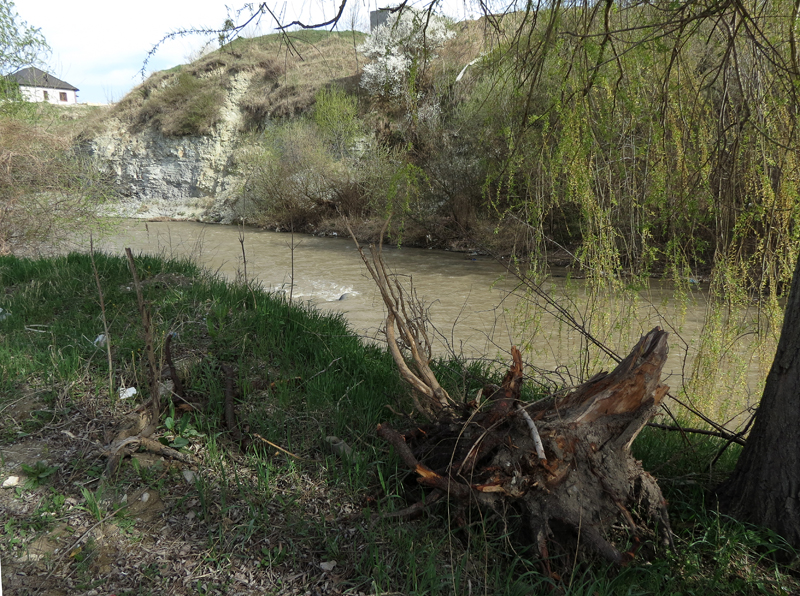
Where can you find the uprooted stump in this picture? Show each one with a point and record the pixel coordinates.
(583, 486)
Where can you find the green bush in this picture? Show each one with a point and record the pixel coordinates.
(185, 105)
(336, 116)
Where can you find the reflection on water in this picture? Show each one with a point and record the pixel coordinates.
(470, 302)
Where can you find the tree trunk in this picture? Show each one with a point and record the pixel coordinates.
(564, 462)
(765, 485)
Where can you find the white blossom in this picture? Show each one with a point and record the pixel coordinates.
(406, 38)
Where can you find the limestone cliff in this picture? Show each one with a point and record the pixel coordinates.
(185, 177)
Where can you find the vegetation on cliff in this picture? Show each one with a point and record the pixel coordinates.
(650, 162)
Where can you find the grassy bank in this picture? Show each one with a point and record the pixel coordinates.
(284, 514)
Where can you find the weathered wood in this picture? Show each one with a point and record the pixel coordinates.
(405, 324)
(581, 484)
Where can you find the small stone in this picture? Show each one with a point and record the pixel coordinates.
(11, 482)
(327, 565)
(339, 447)
(188, 475)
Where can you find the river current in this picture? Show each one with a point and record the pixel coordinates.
(472, 302)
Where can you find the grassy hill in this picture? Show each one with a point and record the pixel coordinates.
(286, 74)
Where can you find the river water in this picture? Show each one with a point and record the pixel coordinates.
(472, 303)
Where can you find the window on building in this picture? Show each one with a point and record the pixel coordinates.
(62, 96)
(46, 95)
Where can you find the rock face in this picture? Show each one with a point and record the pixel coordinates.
(191, 177)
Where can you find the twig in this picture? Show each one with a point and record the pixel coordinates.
(173, 374)
(699, 431)
(279, 448)
(76, 543)
(148, 337)
(537, 440)
(244, 255)
(105, 321)
(324, 370)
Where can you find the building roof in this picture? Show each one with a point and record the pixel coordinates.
(33, 77)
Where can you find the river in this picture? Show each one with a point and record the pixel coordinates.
(472, 303)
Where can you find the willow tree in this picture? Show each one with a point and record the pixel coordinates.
(723, 101)
(764, 488)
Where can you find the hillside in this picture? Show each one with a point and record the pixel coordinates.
(510, 135)
(270, 79)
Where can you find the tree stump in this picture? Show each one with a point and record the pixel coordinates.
(580, 485)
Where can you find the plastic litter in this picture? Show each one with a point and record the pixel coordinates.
(126, 392)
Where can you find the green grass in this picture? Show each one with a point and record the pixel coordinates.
(304, 375)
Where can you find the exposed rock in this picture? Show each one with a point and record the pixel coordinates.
(192, 177)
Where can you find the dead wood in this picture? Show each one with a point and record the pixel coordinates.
(118, 450)
(580, 487)
(405, 329)
(172, 371)
(148, 337)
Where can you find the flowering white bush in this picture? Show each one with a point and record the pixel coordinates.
(406, 39)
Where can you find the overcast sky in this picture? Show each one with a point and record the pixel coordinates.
(99, 45)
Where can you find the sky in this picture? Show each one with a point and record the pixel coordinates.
(99, 46)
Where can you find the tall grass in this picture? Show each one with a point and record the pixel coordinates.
(303, 376)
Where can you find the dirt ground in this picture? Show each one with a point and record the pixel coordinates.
(148, 530)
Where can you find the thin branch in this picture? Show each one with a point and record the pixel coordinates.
(699, 431)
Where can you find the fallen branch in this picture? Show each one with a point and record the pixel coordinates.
(118, 450)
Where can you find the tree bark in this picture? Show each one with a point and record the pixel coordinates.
(763, 488)
(563, 462)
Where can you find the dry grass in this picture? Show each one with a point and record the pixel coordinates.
(186, 100)
(47, 188)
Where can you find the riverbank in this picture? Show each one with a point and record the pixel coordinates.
(283, 510)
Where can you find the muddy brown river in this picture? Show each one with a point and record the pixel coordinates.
(472, 303)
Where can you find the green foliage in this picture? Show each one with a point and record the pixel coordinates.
(303, 375)
(291, 178)
(336, 116)
(182, 430)
(20, 44)
(37, 474)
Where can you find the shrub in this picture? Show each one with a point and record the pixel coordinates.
(290, 179)
(399, 49)
(49, 191)
(336, 116)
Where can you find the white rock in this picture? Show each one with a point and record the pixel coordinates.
(188, 475)
(327, 565)
(11, 482)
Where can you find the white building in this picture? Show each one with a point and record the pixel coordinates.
(37, 85)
